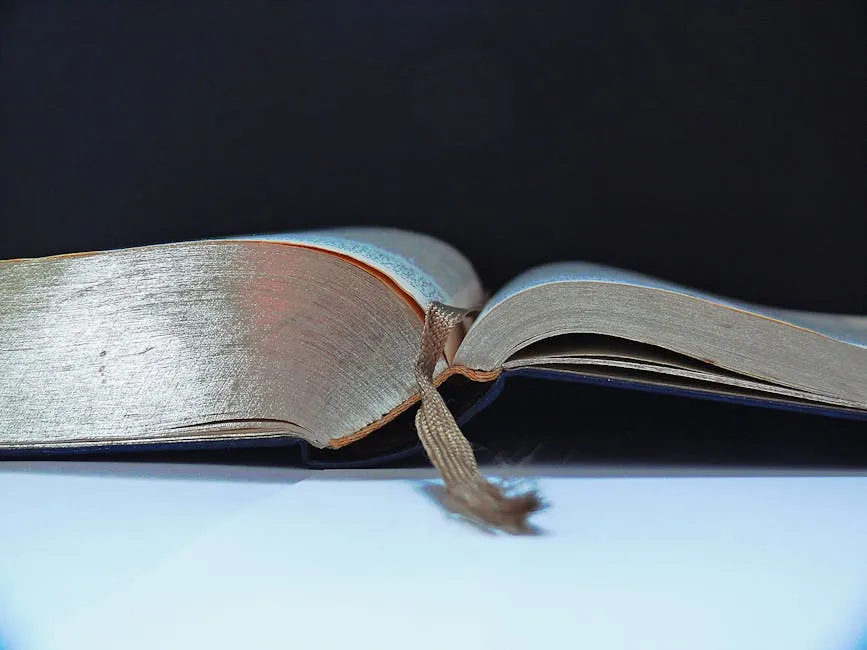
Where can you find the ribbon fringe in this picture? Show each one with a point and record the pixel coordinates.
(467, 491)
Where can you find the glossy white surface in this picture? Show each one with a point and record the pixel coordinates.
(150, 557)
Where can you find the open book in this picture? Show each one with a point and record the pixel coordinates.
(313, 336)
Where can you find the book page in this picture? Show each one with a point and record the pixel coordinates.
(823, 355)
(428, 269)
(846, 328)
(850, 329)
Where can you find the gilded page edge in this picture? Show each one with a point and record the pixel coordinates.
(473, 375)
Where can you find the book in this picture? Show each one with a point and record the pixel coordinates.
(314, 337)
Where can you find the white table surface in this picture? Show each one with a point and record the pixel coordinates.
(149, 556)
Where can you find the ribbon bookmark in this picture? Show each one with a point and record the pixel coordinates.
(467, 491)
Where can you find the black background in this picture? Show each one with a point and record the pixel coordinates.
(718, 144)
